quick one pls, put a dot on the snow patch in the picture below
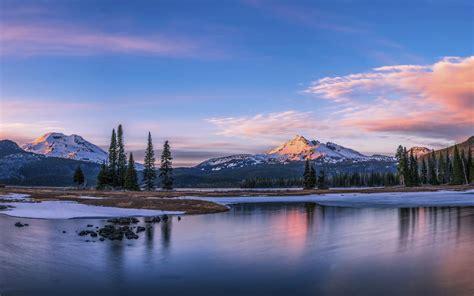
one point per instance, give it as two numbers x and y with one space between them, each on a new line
71 209
90 197
15 196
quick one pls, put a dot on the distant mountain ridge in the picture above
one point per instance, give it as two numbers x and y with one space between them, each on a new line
71 147
297 149
20 167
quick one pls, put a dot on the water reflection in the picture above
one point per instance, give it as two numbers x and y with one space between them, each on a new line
166 234
275 249
435 222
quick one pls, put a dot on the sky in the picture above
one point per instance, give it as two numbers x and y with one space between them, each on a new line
222 77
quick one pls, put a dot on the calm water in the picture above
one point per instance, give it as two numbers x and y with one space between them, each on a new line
258 249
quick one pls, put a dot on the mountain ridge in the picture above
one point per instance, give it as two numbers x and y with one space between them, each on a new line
296 149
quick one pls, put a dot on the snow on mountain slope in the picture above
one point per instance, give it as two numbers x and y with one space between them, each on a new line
72 147
296 149
299 148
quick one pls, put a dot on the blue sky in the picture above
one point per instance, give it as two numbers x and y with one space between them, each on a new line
219 77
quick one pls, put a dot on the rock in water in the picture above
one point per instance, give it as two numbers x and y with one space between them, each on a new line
123 220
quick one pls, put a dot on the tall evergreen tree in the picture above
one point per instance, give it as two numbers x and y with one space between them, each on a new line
465 168
470 166
312 177
442 178
424 172
166 169
131 179
414 178
149 172
449 168
458 172
400 155
121 158
433 177
307 175
322 180
78 177
103 177
112 169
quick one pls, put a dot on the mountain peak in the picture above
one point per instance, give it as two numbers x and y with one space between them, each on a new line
418 151
300 148
299 145
56 144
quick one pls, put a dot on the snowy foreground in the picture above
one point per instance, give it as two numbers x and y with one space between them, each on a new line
71 209
363 200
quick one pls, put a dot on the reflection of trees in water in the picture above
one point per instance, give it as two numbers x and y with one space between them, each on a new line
149 235
166 233
434 221
116 261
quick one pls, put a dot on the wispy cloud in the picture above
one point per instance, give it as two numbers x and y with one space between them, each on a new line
305 16
285 123
27 39
430 100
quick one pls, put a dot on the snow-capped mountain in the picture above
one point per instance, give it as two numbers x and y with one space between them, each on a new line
63 146
296 149
299 148
418 151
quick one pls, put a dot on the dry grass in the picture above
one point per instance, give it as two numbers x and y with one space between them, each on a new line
163 200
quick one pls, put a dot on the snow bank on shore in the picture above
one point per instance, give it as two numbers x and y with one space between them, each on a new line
90 197
15 196
362 200
70 209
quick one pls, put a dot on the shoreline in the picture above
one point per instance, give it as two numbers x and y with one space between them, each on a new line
182 200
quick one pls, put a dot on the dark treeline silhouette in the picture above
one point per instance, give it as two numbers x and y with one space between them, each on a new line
455 168
259 182
117 174
371 179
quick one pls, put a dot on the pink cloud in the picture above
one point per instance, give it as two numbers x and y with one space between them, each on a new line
34 39
287 123
433 100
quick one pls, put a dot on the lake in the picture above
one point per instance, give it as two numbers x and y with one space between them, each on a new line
254 249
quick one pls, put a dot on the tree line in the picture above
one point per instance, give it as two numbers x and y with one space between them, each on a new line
455 169
355 179
119 173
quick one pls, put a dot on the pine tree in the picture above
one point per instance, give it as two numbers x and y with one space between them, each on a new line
449 168
166 169
307 175
433 177
312 177
424 172
149 172
112 169
78 177
465 168
131 180
458 172
121 158
103 177
442 178
400 155
414 178
322 180
406 168
470 166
